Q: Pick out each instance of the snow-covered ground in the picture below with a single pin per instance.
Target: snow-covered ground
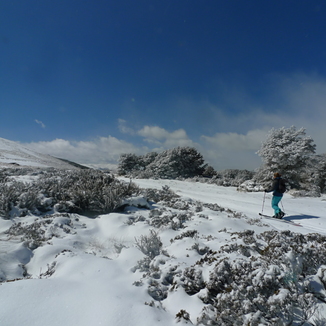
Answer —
(309, 212)
(87, 271)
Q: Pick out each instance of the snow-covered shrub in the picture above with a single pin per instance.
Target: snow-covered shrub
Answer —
(200, 250)
(150, 245)
(129, 163)
(250, 186)
(50, 270)
(209, 172)
(76, 191)
(313, 179)
(213, 207)
(160, 217)
(183, 316)
(314, 191)
(322, 274)
(180, 219)
(193, 280)
(225, 178)
(268, 281)
(155, 195)
(10, 193)
(232, 177)
(170, 164)
(157, 291)
(273, 278)
(186, 234)
(35, 233)
(177, 162)
(7, 173)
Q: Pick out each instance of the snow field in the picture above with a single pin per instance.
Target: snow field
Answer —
(89, 271)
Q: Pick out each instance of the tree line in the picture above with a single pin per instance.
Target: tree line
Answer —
(288, 151)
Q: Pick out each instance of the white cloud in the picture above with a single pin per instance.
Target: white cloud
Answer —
(163, 138)
(122, 124)
(221, 151)
(305, 105)
(102, 150)
(157, 136)
(230, 138)
(154, 133)
(107, 150)
(40, 123)
(237, 142)
(233, 150)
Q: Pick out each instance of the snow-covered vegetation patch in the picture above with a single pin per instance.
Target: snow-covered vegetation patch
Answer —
(182, 163)
(79, 191)
(170, 164)
(260, 277)
(157, 253)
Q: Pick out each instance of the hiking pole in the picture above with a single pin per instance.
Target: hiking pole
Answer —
(262, 209)
(282, 206)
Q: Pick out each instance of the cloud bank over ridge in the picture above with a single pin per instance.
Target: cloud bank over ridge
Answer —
(297, 99)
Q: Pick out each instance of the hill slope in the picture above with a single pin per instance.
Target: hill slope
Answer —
(13, 154)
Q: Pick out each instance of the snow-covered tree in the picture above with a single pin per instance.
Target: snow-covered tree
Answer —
(128, 163)
(209, 171)
(170, 164)
(177, 162)
(287, 151)
(148, 158)
(315, 176)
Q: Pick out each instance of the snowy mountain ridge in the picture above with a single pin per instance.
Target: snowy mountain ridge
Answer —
(13, 154)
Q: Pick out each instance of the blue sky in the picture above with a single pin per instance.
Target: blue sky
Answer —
(89, 80)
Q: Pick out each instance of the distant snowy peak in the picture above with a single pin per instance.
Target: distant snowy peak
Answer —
(13, 154)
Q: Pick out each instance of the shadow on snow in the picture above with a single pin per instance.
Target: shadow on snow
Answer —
(299, 217)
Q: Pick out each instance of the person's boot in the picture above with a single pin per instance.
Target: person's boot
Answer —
(280, 215)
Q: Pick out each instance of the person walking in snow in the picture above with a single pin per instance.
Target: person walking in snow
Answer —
(278, 188)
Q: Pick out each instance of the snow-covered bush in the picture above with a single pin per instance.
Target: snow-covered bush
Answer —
(266, 285)
(155, 195)
(209, 172)
(178, 162)
(165, 217)
(7, 173)
(250, 186)
(79, 191)
(232, 177)
(226, 178)
(129, 163)
(272, 278)
(35, 233)
(183, 316)
(149, 245)
(9, 196)
(313, 180)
